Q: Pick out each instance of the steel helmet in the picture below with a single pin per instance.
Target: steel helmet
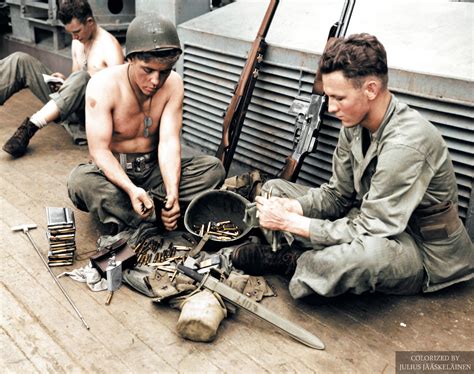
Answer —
(151, 32)
(217, 206)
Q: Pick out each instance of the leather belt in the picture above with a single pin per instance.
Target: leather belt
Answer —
(138, 162)
(436, 222)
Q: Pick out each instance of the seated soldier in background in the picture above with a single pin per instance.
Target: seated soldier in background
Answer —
(133, 123)
(92, 48)
(387, 220)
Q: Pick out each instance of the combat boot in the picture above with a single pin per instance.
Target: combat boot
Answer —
(18, 143)
(258, 259)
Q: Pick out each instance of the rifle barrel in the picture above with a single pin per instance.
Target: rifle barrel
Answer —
(345, 18)
(313, 114)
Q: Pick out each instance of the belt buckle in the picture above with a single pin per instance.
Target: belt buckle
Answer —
(139, 164)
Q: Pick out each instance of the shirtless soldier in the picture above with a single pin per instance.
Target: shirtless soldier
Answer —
(133, 128)
(92, 49)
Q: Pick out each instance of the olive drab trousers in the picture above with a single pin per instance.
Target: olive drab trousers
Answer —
(20, 70)
(368, 263)
(91, 191)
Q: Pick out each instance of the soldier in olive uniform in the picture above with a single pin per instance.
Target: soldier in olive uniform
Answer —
(387, 220)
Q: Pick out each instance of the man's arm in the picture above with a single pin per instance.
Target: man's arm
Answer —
(334, 198)
(99, 129)
(75, 63)
(169, 149)
(396, 190)
(282, 214)
(114, 54)
(330, 201)
(76, 66)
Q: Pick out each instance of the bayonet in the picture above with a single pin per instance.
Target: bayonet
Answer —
(238, 299)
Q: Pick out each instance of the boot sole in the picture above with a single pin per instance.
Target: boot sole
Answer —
(13, 153)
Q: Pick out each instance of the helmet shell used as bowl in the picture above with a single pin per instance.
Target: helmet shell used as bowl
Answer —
(217, 206)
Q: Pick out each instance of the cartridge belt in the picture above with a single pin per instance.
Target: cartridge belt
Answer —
(436, 222)
(137, 162)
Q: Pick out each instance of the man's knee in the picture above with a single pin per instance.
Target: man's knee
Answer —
(21, 58)
(272, 183)
(216, 171)
(70, 97)
(276, 185)
(79, 78)
(77, 183)
(74, 87)
(219, 171)
(284, 188)
(20, 62)
(75, 177)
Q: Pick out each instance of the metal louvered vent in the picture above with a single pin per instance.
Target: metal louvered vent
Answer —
(266, 138)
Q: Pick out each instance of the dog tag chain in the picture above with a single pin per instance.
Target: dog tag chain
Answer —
(147, 121)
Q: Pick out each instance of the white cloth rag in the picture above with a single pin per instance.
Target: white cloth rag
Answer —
(89, 275)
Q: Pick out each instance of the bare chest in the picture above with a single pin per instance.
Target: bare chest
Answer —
(95, 63)
(93, 58)
(132, 122)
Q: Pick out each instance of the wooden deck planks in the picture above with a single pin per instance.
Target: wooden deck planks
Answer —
(40, 331)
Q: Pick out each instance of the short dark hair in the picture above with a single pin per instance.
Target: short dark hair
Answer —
(357, 57)
(165, 55)
(70, 9)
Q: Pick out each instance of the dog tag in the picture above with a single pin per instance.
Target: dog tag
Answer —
(147, 122)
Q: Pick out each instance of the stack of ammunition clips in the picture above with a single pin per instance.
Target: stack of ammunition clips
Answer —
(61, 236)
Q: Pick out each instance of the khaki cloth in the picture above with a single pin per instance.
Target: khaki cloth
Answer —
(20, 70)
(91, 191)
(372, 247)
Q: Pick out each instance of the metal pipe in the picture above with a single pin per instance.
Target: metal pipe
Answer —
(25, 229)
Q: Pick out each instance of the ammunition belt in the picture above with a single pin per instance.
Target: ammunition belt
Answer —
(436, 222)
(138, 162)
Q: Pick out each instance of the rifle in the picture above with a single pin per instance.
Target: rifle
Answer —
(237, 109)
(309, 111)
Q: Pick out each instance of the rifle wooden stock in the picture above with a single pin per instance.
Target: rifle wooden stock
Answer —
(289, 170)
(307, 129)
(237, 109)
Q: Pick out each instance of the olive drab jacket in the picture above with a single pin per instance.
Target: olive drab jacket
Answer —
(405, 182)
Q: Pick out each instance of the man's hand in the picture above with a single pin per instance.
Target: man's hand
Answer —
(59, 75)
(272, 212)
(142, 203)
(291, 205)
(171, 213)
(282, 214)
(55, 86)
